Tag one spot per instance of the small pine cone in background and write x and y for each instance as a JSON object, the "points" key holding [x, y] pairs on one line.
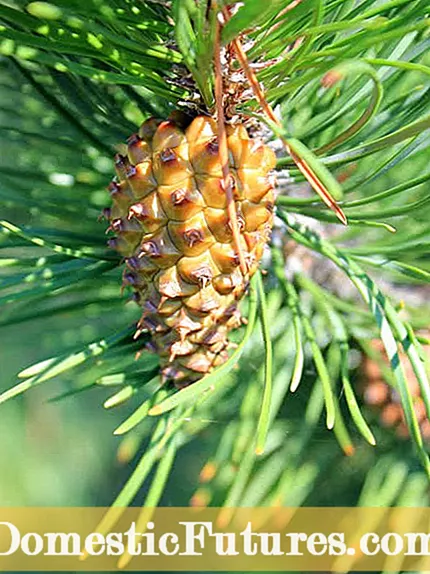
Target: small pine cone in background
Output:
{"points": [[169, 215], [380, 395]]}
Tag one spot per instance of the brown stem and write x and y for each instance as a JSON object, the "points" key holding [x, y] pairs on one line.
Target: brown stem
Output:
{"points": [[223, 152], [267, 109]]}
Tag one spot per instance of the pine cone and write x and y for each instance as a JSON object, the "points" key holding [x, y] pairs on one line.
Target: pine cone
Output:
{"points": [[171, 224]]}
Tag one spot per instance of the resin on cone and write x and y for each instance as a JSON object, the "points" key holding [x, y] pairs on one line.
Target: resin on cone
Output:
{"points": [[169, 215]]}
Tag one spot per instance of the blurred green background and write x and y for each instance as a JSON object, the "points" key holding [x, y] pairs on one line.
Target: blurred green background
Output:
{"points": [[64, 453]]}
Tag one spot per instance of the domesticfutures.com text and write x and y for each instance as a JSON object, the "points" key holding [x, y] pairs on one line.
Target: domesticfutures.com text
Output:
{"points": [[195, 536]]}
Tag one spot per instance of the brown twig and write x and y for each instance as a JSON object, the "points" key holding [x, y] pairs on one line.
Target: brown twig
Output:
{"points": [[223, 152], [267, 109]]}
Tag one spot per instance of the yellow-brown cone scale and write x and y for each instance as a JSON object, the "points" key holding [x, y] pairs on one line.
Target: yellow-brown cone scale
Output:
{"points": [[169, 215]]}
